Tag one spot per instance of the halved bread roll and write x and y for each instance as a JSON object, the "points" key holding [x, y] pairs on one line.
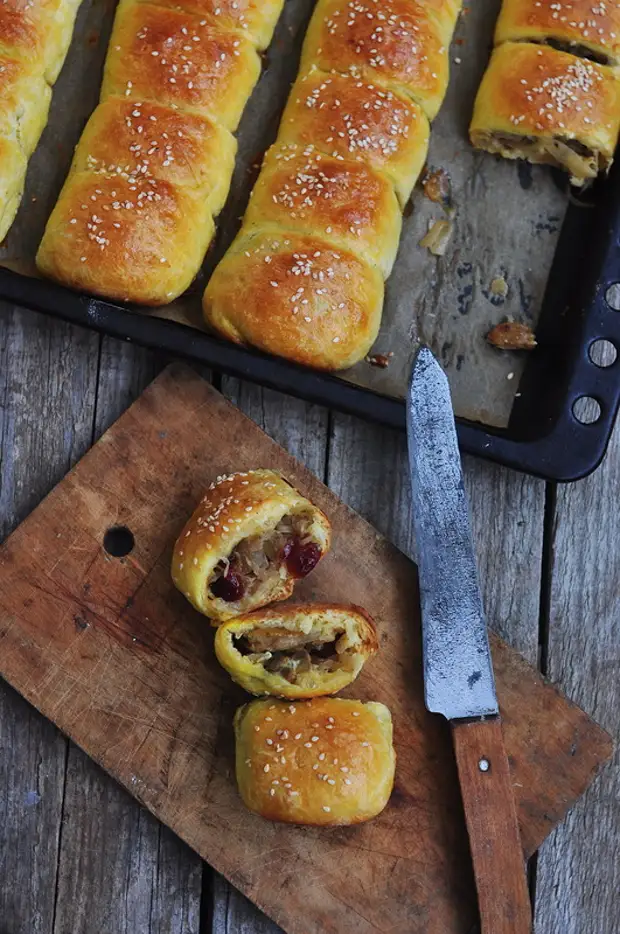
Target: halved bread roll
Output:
{"points": [[252, 536], [296, 651], [550, 107], [325, 762]]}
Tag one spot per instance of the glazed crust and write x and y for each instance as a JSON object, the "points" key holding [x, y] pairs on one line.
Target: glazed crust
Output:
{"points": [[326, 762], [397, 43], [536, 92], [34, 38], [237, 507], [378, 127], [304, 278], [157, 155], [270, 651], [353, 207], [590, 24], [181, 60], [296, 297], [253, 19]]}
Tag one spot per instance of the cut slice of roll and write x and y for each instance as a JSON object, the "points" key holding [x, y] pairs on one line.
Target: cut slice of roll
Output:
{"points": [[304, 278], [298, 650], [325, 762], [549, 107], [252, 536]]}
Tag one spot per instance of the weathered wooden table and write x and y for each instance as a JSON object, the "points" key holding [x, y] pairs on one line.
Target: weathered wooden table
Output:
{"points": [[79, 856]]}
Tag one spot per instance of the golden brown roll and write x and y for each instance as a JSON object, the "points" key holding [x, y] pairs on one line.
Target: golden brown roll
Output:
{"points": [[181, 60], [297, 650], [590, 28], [378, 127], [297, 297], [251, 537], [34, 38], [550, 107], [304, 278], [398, 43], [353, 207], [254, 19], [157, 155], [326, 761]]}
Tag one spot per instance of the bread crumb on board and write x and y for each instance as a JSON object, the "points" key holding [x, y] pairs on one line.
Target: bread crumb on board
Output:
{"points": [[436, 240], [381, 360]]}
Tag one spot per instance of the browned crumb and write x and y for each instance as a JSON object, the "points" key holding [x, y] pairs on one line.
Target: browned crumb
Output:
{"points": [[437, 187], [381, 360], [511, 335]]}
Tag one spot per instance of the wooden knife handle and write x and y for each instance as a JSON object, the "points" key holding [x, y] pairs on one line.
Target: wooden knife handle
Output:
{"points": [[490, 813]]}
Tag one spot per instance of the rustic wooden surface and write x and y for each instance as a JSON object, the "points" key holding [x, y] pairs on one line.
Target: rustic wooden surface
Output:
{"points": [[74, 847]]}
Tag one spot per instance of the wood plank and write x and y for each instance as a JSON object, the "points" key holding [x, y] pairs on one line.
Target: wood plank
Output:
{"points": [[301, 429], [47, 380], [117, 863], [115, 655], [578, 881]]}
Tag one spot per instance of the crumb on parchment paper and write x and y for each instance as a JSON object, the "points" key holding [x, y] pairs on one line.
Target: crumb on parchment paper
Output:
{"points": [[436, 240], [437, 187], [381, 360], [499, 287], [512, 335]]}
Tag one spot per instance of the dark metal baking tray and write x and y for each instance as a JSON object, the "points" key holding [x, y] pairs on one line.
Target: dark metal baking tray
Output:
{"points": [[544, 436]]}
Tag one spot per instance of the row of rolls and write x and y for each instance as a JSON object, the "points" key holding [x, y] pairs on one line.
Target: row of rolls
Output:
{"points": [[304, 278], [303, 756]]}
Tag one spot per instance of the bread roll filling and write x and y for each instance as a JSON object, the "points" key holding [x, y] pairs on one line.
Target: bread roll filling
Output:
{"points": [[291, 654], [259, 562], [568, 154]]}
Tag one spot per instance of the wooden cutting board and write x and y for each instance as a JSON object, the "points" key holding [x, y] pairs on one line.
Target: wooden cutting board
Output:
{"points": [[113, 654]]}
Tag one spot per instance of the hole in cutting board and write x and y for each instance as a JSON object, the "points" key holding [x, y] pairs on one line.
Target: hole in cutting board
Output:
{"points": [[118, 541]]}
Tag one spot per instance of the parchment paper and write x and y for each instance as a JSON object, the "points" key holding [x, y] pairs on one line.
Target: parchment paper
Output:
{"points": [[506, 223]]}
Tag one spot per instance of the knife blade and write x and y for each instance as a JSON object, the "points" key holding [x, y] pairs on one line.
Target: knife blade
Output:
{"points": [[458, 675], [458, 670]]}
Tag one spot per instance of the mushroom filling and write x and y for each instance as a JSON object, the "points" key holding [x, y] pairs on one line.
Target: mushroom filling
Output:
{"points": [[261, 561], [568, 154], [290, 654]]}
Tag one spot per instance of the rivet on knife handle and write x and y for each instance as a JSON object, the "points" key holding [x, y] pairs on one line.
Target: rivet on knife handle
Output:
{"points": [[490, 813]]}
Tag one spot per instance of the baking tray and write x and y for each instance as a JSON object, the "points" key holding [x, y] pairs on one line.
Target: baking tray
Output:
{"points": [[557, 253]]}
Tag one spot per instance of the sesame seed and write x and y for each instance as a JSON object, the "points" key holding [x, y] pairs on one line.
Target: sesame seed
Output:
{"points": [[326, 808], [266, 768]]}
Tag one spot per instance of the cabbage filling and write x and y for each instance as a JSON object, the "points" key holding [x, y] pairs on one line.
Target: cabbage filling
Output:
{"points": [[291, 654], [260, 562], [568, 154]]}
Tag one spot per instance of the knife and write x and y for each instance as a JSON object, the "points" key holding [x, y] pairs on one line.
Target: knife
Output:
{"points": [[458, 671]]}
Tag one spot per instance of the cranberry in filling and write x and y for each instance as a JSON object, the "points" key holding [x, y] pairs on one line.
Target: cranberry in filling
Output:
{"points": [[228, 587], [301, 559]]}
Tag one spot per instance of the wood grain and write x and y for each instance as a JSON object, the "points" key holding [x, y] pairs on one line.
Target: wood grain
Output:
{"points": [[578, 885], [494, 842], [116, 862], [130, 674], [47, 382]]}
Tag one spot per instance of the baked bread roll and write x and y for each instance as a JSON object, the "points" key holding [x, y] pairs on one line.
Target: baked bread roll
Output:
{"points": [[296, 651], [397, 43], [356, 122], [252, 536], [153, 167], [34, 38], [296, 297], [584, 27], [550, 107], [378, 127], [326, 761]]}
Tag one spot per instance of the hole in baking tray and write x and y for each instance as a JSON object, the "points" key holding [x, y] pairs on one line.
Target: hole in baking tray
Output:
{"points": [[586, 410], [612, 296], [118, 541], [602, 352]]}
